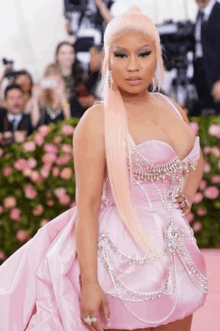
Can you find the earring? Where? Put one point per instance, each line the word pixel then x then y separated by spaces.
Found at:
pixel 110 81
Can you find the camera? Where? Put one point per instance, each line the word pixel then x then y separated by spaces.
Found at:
pixel 10 63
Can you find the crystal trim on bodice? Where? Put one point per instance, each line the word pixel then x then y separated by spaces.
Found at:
pixel 145 170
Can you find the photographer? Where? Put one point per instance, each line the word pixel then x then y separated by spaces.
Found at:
pixel 22 78
pixel 49 102
pixel 88 25
pixel 14 124
pixel 207 54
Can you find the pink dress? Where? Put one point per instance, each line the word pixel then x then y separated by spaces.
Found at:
pixel 40 282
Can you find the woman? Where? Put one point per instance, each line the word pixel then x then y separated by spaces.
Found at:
pixel 73 76
pixel 125 258
pixel 49 103
pixel 71 70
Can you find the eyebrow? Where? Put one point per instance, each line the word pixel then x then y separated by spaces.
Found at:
pixel 125 49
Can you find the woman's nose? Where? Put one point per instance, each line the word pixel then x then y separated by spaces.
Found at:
pixel 133 64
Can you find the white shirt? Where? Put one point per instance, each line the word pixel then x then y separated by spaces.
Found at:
pixel 207 11
pixel 17 119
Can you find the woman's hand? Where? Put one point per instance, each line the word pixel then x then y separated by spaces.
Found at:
pixel 36 91
pixel 93 301
pixel 183 202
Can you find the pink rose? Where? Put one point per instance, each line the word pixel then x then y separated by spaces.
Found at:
pixel 21 164
pixel 15 214
pixel 38 210
pixel 7 171
pixel 49 158
pixel 197 226
pixel 57 139
pixel 2 255
pixel 66 173
pixel 39 139
pixel 50 148
pixel 35 177
pixel 31 162
pixel 73 204
pixel 202 184
pixel 66 148
pixel 26 172
pixel 45 170
pixel 207 167
pixel 215 179
pixel 55 171
pixel 8 155
pixel 216 151
pixel 190 217
pixel 195 127
pixel 1 210
pixel 50 203
pixel 1 152
pixel 44 130
pixel 198 197
pixel 43 222
pixel 67 130
pixel 207 149
pixel 29 146
pixel 214 129
pixel 59 191
pixel 64 199
pixel 211 192
pixel 9 202
pixel 29 192
pixel 201 211
pixel 22 235
pixel 63 159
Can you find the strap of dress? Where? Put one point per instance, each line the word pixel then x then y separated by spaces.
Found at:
pixel 170 103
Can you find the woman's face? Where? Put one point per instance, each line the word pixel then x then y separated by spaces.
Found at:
pixel 25 82
pixel 66 56
pixel 133 62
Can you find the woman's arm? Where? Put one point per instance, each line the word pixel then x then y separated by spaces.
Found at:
pixel 89 163
pixel 193 177
pixel 105 12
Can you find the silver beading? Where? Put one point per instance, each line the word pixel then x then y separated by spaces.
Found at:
pixel 174 238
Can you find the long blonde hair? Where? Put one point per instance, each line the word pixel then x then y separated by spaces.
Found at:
pixel 116 126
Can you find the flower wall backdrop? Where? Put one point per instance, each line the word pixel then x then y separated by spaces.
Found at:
pixel 38 183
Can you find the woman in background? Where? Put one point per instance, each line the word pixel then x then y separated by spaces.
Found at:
pixel 49 102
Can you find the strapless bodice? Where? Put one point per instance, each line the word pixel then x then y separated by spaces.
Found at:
pixel 155 162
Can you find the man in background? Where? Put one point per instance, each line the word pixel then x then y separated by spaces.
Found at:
pixel 14 124
pixel 207 54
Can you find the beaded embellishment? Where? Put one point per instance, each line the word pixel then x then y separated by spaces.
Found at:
pixel 174 237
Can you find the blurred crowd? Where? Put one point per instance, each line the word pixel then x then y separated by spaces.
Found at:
pixel 69 83
pixel 68 86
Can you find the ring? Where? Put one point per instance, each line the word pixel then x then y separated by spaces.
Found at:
pixel 89 320
pixel 185 200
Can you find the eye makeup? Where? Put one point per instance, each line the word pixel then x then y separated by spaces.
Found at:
pixel 122 55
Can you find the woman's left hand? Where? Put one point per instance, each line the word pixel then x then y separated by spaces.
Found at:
pixel 183 202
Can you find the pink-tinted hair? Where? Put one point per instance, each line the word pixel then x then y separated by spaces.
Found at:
pixel 116 127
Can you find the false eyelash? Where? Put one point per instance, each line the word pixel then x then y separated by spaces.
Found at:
pixel 122 55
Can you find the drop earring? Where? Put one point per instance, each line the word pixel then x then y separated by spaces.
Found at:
pixel 110 81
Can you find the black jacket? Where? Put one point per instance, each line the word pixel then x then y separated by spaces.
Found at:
pixel 24 124
pixel 210 37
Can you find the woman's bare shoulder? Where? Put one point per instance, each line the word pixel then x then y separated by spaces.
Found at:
pixel 181 110
pixel 91 123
